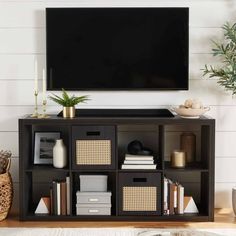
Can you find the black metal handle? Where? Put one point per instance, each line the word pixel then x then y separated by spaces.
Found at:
pixel 93 133
pixel 140 180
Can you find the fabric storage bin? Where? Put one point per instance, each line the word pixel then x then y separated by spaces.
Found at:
pixel 140 193
pixel 93 183
pixel 93 209
pixel 93 147
pixel 93 197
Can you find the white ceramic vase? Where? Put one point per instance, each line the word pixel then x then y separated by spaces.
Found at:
pixel 59 154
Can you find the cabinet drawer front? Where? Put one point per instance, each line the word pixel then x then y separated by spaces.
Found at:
pixel 140 193
pixel 94 199
pixel 93 211
pixel 93 147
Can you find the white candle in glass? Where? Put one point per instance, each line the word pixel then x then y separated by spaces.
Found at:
pixel 35 76
pixel 44 85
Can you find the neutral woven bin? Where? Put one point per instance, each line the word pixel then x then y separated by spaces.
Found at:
pixel 6 193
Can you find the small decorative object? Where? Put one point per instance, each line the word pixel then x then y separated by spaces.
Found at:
pixel 136 148
pixel 192 108
pixel 227 53
pixel 188 144
pixel 43 146
pixel 43 206
pixel 190 205
pixel 68 103
pixel 178 159
pixel 6 186
pixel 59 154
pixel 234 199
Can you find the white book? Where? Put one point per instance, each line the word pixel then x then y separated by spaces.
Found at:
pixel 144 167
pixel 139 159
pixel 138 162
pixel 180 209
pixel 138 156
pixel 166 196
pixel 58 199
pixel 68 195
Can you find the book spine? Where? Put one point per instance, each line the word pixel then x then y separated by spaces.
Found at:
pixel 171 198
pixel 180 200
pixel 165 196
pixel 58 199
pixel 139 162
pixel 144 167
pixel 175 199
pixel 63 198
pixel 51 201
pixel 68 195
pixel 54 195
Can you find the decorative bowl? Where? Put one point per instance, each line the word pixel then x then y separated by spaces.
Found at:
pixel 189 112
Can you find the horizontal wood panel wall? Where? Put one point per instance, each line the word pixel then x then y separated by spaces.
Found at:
pixel 22 39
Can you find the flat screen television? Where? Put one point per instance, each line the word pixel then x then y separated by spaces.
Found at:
pixel 117 48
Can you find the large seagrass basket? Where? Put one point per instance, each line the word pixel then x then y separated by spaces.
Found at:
pixel 6 192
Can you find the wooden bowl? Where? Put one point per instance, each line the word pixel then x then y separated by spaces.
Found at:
pixel 189 112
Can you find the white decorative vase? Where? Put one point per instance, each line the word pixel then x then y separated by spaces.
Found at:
pixel 59 154
pixel 234 199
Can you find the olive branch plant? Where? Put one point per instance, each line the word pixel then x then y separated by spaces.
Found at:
pixel 226 51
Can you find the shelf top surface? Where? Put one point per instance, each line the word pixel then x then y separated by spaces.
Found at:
pixel 120 119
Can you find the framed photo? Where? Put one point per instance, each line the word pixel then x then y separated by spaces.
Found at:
pixel 43 146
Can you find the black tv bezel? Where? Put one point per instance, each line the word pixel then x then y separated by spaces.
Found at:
pixel 117 89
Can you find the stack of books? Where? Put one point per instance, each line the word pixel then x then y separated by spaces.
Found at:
pixel 138 162
pixel 173 197
pixel 60 197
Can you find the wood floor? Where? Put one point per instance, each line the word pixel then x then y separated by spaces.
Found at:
pixel 224 218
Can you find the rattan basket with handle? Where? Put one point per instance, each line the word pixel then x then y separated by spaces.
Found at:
pixel 6 192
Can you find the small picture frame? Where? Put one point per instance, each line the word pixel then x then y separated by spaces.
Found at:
pixel 43 146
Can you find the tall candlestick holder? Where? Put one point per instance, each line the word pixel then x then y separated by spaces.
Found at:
pixel 35 114
pixel 44 115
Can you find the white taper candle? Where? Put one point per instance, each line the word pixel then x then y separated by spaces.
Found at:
pixel 44 85
pixel 35 76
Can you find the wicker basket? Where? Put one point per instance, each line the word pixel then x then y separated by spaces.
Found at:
pixel 6 193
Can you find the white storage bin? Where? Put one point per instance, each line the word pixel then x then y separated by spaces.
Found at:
pixel 93 209
pixel 93 197
pixel 93 183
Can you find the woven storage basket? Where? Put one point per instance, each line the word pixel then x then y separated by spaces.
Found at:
pixel 6 193
pixel 139 198
pixel 93 152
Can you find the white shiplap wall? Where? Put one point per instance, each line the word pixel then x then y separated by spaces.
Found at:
pixel 22 39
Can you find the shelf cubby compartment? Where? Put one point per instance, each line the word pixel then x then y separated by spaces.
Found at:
pixel 148 135
pixel 172 136
pixel 28 150
pixel 111 187
pixel 39 183
pixel 93 147
pixel 195 185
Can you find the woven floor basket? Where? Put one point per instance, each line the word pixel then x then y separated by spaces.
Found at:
pixel 6 194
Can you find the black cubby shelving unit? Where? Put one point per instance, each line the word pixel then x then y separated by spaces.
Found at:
pixel 203 169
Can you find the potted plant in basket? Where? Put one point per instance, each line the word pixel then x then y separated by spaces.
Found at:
pixel 226 51
pixel 68 102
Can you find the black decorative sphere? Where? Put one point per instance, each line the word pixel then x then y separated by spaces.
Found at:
pixel 135 147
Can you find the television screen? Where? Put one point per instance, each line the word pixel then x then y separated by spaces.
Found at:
pixel 117 48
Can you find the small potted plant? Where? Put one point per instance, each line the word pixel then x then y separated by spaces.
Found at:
pixel 68 103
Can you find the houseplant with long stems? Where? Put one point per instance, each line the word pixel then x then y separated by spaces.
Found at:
pixel 68 102
pixel 226 51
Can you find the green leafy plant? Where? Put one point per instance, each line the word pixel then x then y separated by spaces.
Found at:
pixel 225 50
pixel 67 101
